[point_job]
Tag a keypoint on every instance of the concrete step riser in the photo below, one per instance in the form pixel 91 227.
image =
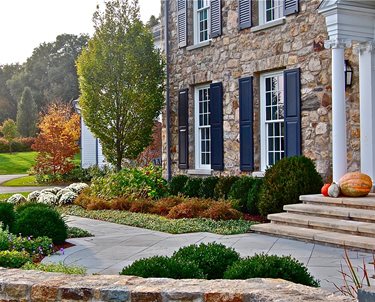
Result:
pixel 323 228
pixel 332 212
pixel 339 205
pixel 348 241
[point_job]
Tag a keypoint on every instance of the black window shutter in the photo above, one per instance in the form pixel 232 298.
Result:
pixel 291 7
pixel 292 111
pixel 183 127
pixel 246 124
pixel 244 14
pixel 216 18
pixel 216 121
pixel 182 23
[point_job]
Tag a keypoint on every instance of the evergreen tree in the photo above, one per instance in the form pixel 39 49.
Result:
pixel 27 114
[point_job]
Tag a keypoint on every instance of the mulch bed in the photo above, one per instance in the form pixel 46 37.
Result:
pixel 56 248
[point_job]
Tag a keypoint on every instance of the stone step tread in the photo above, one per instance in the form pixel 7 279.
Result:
pixel 346 213
pixel 368 201
pixel 324 222
pixel 314 235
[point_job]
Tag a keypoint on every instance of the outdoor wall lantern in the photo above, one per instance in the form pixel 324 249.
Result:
pixel 348 74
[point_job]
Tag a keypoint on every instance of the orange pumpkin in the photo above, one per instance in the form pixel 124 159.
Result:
pixel 355 184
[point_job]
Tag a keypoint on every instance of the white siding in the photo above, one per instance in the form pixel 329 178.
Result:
pixel 101 159
pixel 88 147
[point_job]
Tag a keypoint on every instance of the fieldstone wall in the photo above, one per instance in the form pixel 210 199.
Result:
pixel 298 43
pixel 18 285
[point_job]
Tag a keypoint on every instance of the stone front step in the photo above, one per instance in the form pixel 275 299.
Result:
pixel 367 202
pixel 347 240
pixel 332 212
pixel 323 223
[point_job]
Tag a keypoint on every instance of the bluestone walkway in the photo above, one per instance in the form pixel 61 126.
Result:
pixel 115 246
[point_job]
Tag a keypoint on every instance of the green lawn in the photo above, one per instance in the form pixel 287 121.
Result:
pixel 21 162
pixel 16 163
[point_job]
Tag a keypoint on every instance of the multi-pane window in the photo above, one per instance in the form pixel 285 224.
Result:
pixel 203 128
pixel 202 20
pixel 272 10
pixel 272 118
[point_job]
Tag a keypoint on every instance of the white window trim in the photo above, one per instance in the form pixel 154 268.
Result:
pixel 262 15
pixel 196 25
pixel 263 142
pixel 198 165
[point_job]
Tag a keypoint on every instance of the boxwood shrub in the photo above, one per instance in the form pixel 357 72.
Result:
pixel 7 215
pixel 212 258
pixel 285 181
pixel 208 186
pixel 223 186
pixel 38 221
pixel 239 192
pixel 253 196
pixel 177 184
pixel 271 266
pixel 164 267
pixel 192 187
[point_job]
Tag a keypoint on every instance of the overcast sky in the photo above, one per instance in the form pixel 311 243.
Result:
pixel 24 24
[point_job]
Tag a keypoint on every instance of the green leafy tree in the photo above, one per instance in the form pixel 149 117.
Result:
pixel 9 130
pixel 121 78
pixel 153 21
pixel 27 114
pixel 50 72
pixel 8 104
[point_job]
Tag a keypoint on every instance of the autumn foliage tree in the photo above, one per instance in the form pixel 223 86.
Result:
pixel 57 142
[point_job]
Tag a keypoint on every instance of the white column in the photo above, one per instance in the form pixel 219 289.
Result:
pixel 339 147
pixel 367 107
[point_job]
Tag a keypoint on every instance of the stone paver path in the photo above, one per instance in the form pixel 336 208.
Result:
pixel 115 246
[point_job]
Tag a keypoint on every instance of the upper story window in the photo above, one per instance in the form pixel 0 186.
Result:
pixel 270 10
pixel 201 21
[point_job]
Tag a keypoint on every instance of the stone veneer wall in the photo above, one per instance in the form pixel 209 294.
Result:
pixel 18 285
pixel 299 43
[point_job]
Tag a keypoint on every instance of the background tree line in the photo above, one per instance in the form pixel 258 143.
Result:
pixel 49 74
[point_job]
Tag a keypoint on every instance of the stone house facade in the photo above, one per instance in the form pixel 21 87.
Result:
pixel 250 83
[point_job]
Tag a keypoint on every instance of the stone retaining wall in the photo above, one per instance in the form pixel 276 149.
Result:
pixel 18 285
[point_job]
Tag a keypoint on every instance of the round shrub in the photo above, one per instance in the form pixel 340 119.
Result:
pixel 67 198
pixel 17 199
pixel 286 181
pixel 39 221
pixel 208 186
pixel 176 184
pixel 53 190
pixel 271 266
pixel 223 186
pixel 13 259
pixel 7 215
pixel 78 187
pixel 192 186
pixel 212 258
pixel 253 196
pixel 164 267
pixel 240 190
pixel 62 192
pixel 20 208
pixel 33 196
pixel 47 198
